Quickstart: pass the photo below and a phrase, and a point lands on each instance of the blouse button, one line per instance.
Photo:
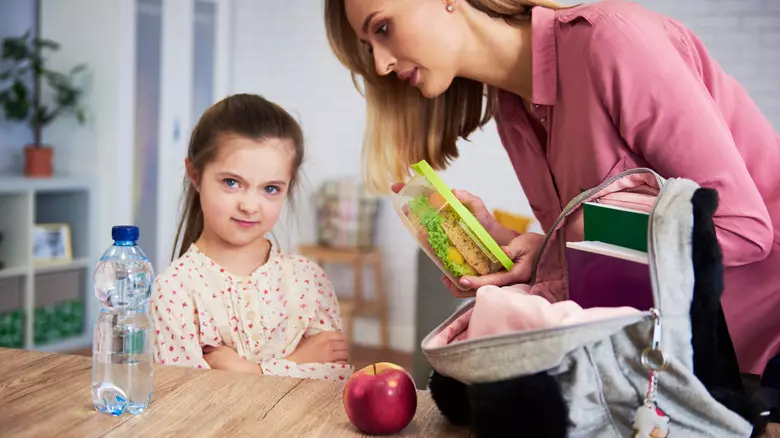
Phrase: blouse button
(544, 119)
(536, 106)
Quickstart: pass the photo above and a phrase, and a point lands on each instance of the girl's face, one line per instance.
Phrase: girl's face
(418, 40)
(243, 189)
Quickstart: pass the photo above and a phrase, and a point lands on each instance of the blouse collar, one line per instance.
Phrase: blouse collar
(274, 257)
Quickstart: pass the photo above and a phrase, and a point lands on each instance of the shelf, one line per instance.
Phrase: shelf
(52, 301)
(15, 217)
(21, 184)
(12, 304)
(67, 346)
(71, 208)
(45, 269)
(13, 272)
(59, 267)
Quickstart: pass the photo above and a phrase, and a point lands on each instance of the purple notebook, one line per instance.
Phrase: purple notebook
(604, 275)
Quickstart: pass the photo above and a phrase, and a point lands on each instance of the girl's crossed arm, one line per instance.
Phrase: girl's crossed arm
(175, 320)
(322, 352)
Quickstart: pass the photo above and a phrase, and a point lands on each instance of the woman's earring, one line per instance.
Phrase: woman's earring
(450, 8)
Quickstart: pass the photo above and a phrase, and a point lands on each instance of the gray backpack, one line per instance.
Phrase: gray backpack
(603, 369)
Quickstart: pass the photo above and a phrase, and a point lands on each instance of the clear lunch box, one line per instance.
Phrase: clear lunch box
(445, 229)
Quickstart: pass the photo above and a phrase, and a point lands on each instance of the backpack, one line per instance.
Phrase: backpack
(634, 374)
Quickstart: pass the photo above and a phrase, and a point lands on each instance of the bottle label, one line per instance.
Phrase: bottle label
(134, 342)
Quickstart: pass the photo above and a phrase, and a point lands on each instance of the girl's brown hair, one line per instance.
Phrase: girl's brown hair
(402, 126)
(244, 115)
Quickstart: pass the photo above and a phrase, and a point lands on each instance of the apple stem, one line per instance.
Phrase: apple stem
(374, 365)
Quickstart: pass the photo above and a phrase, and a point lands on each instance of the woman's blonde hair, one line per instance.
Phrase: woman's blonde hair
(402, 126)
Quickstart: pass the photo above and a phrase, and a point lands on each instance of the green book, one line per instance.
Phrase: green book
(616, 225)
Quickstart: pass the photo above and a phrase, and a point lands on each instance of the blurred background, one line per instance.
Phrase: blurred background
(150, 67)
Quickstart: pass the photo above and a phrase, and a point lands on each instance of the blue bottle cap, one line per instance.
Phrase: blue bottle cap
(125, 233)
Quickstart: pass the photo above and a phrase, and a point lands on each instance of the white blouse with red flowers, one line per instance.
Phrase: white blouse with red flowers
(263, 316)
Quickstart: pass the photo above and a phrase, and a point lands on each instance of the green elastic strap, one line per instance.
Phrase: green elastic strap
(425, 169)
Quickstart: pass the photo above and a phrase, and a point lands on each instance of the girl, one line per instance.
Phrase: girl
(232, 300)
(579, 94)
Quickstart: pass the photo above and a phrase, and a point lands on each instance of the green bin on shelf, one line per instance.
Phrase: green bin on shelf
(12, 329)
(58, 322)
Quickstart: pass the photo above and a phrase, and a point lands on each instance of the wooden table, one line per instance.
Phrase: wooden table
(43, 394)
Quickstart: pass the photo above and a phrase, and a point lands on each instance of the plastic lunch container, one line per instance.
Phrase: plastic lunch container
(445, 229)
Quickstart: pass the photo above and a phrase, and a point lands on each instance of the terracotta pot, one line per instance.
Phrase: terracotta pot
(38, 161)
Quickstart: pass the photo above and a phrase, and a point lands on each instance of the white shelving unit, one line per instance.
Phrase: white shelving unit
(26, 286)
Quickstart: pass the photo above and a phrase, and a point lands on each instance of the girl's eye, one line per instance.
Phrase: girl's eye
(272, 190)
(230, 182)
(381, 29)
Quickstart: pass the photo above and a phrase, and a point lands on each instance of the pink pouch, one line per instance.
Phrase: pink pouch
(502, 310)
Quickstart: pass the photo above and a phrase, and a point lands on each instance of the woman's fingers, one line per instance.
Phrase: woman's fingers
(505, 278)
(469, 200)
(455, 291)
(521, 250)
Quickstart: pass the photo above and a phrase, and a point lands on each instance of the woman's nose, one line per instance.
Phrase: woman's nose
(384, 61)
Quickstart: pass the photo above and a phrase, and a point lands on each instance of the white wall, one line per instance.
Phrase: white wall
(16, 16)
(100, 34)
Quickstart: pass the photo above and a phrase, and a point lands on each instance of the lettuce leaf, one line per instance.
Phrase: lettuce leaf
(429, 217)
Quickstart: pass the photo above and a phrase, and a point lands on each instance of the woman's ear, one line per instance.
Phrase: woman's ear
(192, 174)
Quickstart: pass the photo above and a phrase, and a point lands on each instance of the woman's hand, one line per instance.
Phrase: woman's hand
(522, 250)
(226, 358)
(323, 347)
(457, 293)
(500, 233)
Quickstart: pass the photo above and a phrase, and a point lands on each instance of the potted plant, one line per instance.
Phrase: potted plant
(32, 93)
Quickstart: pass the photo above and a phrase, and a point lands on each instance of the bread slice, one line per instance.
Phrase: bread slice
(462, 241)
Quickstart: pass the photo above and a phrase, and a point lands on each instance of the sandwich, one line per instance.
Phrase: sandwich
(451, 243)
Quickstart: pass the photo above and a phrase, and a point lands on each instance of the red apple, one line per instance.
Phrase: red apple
(380, 399)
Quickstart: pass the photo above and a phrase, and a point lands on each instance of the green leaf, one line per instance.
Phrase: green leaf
(43, 43)
(78, 69)
(22, 63)
(15, 103)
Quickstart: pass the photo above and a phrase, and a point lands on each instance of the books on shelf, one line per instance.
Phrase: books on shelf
(610, 267)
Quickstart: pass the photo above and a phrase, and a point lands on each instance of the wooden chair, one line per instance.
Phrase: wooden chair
(358, 259)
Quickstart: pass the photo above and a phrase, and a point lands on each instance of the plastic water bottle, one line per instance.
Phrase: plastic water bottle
(122, 377)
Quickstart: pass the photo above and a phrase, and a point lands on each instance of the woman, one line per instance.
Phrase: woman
(578, 94)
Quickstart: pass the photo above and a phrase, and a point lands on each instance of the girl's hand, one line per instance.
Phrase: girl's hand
(323, 347)
(522, 250)
(225, 358)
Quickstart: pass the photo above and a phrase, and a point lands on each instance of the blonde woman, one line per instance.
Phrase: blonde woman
(578, 94)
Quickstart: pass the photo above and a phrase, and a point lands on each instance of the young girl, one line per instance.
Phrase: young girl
(232, 300)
